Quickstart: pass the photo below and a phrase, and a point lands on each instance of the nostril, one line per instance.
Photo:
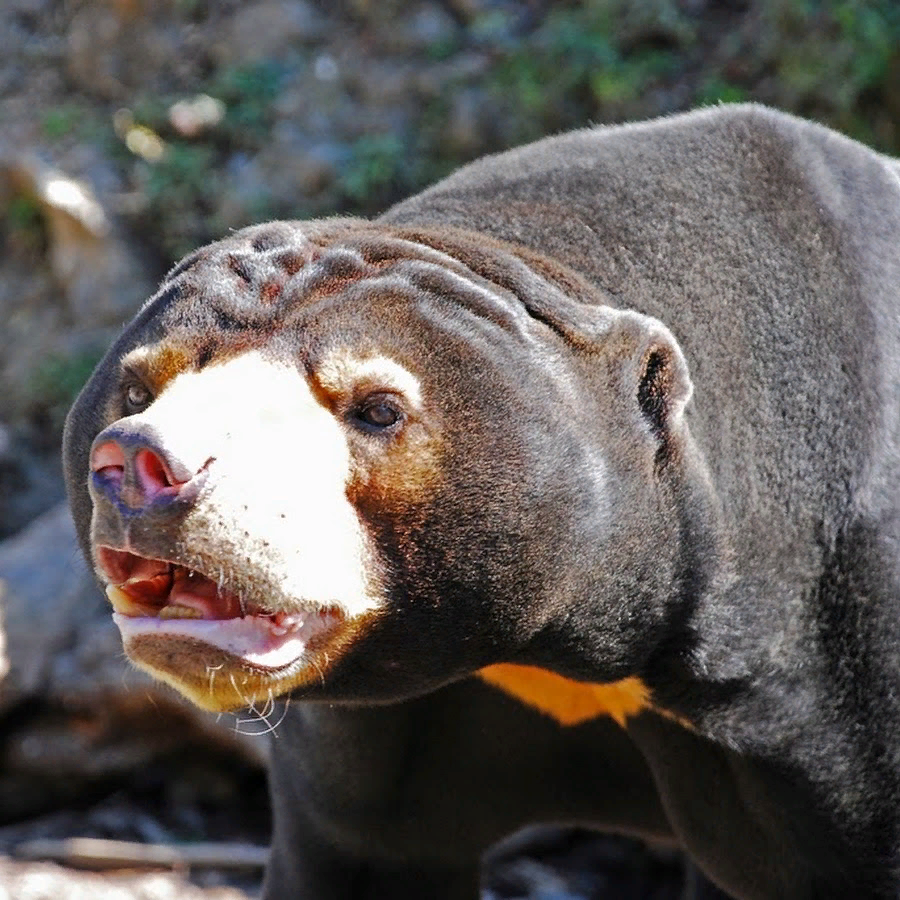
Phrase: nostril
(108, 458)
(153, 475)
(133, 468)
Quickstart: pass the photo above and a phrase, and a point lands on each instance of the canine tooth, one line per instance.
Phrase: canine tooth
(121, 602)
(176, 611)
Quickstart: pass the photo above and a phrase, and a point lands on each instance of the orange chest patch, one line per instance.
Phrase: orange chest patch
(569, 702)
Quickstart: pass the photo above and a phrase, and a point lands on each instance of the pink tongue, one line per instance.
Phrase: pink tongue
(145, 569)
(202, 594)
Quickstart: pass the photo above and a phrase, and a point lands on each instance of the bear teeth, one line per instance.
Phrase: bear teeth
(122, 602)
(177, 611)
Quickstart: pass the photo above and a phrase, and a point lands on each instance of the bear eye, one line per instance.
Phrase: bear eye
(378, 414)
(136, 397)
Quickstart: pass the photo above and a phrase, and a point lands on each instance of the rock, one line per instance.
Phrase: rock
(102, 278)
(304, 175)
(93, 61)
(265, 30)
(527, 878)
(6, 457)
(69, 278)
(33, 8)
(4, 657)
(42, 881)
(112, 46)
(425, 26)
(44, 602)
(29, 482)
(465, 126)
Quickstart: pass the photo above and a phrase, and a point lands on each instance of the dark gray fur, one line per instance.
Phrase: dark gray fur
(771, 248)
(755, 584)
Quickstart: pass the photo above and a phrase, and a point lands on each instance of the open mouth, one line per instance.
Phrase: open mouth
(165, 599)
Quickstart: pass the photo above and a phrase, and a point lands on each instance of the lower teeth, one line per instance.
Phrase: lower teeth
(177, 611)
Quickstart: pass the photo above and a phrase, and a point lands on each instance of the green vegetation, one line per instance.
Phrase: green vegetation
(589, 62)
(248, 93)
(183, 187)
(374, 172)
(608, 60)
(840, 62)
(718, 90)
(23, 227)
(61, 121)
(23, 214)
(180, 193)
(541, 68)
(55, 385)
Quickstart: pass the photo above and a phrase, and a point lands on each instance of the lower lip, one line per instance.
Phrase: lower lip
(253, 640)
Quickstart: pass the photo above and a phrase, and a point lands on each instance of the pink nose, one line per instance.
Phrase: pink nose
(133, 470)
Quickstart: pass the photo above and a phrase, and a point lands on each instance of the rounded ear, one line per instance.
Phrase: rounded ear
(643, 350)
(663, 383)
(644, 359)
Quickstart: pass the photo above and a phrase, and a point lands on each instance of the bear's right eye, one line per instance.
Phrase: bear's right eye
(381, 415)
(378, 413)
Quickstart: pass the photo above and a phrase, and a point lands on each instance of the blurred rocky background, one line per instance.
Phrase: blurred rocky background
(132, 131)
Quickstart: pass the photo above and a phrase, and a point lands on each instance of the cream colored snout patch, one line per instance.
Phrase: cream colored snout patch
(273, 517)
(266, 575)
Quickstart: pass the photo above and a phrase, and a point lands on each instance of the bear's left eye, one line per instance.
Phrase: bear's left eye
(136, 397)
(378, 414)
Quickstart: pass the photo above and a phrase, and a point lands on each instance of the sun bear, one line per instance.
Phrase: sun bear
(568, 490)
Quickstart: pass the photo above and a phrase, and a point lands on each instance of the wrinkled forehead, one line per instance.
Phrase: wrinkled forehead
(323, 293)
